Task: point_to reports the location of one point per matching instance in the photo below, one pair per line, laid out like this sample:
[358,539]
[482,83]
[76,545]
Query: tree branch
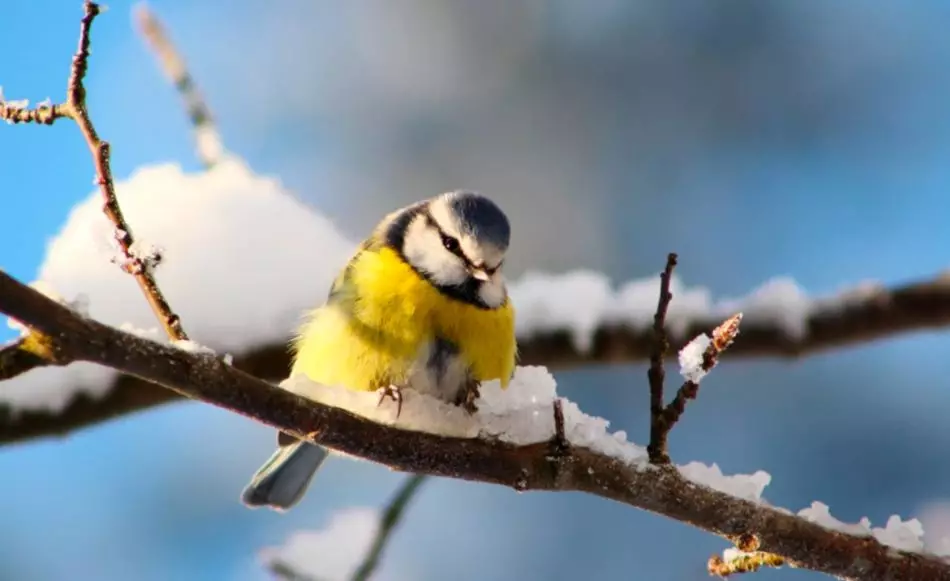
[660,489]
[917,306]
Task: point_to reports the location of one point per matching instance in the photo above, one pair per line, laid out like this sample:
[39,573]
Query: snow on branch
[564,320]
[513,441]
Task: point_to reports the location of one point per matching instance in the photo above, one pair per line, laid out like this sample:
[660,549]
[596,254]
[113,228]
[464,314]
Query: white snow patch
[780,301]
[747,486]
[242,260]
[332,553]
[522,414]
[904,535]
[691,358]
[192,346]
[896,533]
[820,514]
[581,301]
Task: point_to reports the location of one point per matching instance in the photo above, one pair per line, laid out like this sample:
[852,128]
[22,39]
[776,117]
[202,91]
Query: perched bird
[421,305]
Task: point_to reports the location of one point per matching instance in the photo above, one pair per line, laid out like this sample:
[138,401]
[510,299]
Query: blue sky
[832,173]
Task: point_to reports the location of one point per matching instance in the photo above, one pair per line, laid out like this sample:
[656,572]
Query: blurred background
[756,138]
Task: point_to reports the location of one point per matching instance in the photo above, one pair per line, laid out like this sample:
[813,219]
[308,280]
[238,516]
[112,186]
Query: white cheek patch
[492,292]
[423,249]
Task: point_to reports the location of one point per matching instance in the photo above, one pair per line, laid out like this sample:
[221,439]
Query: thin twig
[656,373]
[391,517]
[134,262]
[661,489]
[208,142]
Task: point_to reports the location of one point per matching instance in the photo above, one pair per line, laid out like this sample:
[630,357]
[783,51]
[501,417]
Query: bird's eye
[451,244]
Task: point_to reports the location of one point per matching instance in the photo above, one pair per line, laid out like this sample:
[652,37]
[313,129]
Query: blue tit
[421,305]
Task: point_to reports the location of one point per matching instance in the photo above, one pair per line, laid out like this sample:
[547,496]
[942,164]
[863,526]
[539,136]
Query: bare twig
[391,517]
[660,489]
[207,139]
[656,373]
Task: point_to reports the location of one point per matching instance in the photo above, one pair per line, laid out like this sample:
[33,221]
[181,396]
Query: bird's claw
[394,393]
[468,395]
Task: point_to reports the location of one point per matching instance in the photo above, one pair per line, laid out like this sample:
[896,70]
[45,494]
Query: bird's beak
[480,274]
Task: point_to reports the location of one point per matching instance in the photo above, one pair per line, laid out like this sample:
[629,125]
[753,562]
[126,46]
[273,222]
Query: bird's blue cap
[481,218]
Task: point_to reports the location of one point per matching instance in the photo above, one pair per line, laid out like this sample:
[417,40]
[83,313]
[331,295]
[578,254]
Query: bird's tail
[282,481]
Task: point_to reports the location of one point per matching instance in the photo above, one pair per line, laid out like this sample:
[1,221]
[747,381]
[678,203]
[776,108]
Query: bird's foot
[467,396]
[394,393]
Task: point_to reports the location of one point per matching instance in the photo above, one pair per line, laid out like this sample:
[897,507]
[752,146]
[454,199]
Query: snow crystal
[332,553]
[691,358]
[747,486]
[151,333]
[244,259]
[191,346]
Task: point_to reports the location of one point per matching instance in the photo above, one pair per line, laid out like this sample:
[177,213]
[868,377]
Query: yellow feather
[383,313]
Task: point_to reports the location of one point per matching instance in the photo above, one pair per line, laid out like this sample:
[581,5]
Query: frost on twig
[697,358]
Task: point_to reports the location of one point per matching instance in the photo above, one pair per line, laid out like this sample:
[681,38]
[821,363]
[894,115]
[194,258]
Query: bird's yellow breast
[382,314]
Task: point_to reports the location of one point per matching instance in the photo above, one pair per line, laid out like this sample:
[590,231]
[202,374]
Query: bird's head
[457,241]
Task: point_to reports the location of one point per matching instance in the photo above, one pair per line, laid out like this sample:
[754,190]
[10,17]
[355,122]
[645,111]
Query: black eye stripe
[450,243]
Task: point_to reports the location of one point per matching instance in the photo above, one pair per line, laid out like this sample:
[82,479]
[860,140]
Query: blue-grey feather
[481,218]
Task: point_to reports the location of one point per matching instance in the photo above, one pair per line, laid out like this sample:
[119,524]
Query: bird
[422,304]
